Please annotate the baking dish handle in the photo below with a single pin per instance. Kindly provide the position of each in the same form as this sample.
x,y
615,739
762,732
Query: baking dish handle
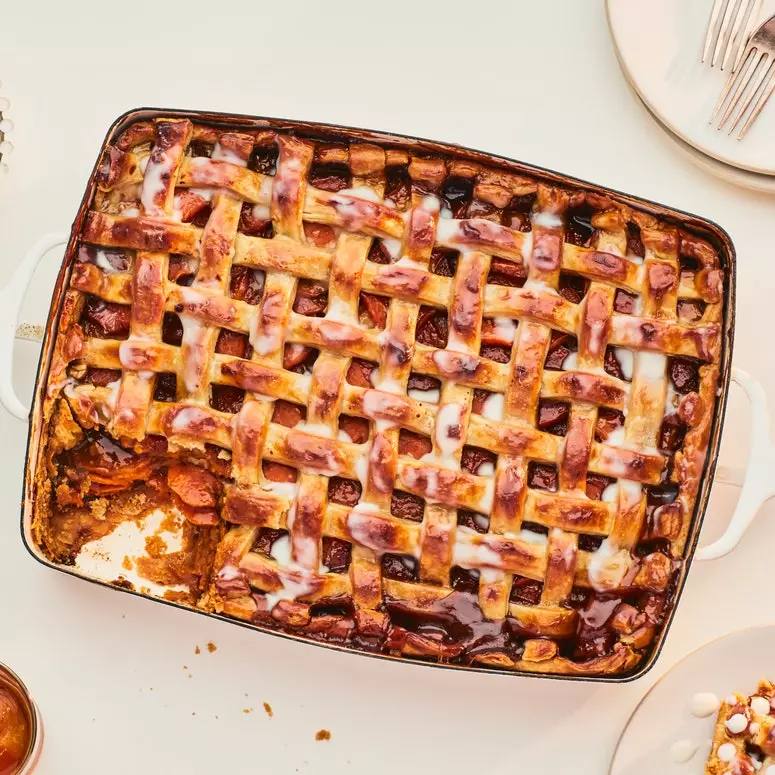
x,y
759,482
11,298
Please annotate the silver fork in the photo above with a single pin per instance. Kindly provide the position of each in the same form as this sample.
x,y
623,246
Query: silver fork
x,y
730,24
752,84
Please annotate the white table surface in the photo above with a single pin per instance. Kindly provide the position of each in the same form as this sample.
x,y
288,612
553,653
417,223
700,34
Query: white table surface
x,y
116,678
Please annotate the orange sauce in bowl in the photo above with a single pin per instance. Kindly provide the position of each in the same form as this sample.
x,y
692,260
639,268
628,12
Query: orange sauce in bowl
x,y
15,729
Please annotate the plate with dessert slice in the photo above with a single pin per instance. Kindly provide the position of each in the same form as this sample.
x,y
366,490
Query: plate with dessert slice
x,y
712,712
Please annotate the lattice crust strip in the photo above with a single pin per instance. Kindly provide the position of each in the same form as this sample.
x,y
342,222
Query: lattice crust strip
x,y
498,414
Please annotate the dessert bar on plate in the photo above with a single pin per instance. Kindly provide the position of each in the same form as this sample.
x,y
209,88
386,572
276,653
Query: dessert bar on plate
x,y
400,397
744,737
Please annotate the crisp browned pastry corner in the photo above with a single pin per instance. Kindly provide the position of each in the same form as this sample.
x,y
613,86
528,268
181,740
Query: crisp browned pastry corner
x,y
407,404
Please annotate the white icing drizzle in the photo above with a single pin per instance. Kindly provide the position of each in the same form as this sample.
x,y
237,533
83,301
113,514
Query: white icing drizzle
x,y
625,358
304,546
194,334
281,551
292,588
630,493
726,752
386,384
482,521
527,248
571,361
430,204
343,435
444,213
267,338
760,706
611,493
485,502
616,437
101,260
315,429
672,399
153,184
486,469
285,489
261,212
335,333
113,388
608,566
185,418
393,247
205,193
127,348
681,751
704,704
449,420
376,406
470,555
340,312
362,192
529,537
447,360
226,154
265,191
362,468
547,220
447,230
359,523
493,406
455,342
539,286
736,723
505,329
130,212
429,396
651,367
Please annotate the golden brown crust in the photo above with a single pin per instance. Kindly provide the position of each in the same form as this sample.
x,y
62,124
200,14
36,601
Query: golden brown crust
x,y
233,292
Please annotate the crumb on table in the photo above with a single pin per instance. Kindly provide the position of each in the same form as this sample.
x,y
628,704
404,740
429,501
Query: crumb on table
x,y
197,650
211,647
322,734
268,709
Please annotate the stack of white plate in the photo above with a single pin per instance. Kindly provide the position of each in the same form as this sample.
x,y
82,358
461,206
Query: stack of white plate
x,y
659,44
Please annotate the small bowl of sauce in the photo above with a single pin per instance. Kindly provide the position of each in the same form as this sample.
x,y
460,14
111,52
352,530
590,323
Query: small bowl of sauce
x,y
21,730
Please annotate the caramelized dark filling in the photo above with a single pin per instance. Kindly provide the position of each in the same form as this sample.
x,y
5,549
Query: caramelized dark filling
x,y
542,476
398,186
330,177
684,374
104,319
561,346
432,327
573,287
553,417
263,159
407,506
516,214
443,262
578,226
634,242
457,193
